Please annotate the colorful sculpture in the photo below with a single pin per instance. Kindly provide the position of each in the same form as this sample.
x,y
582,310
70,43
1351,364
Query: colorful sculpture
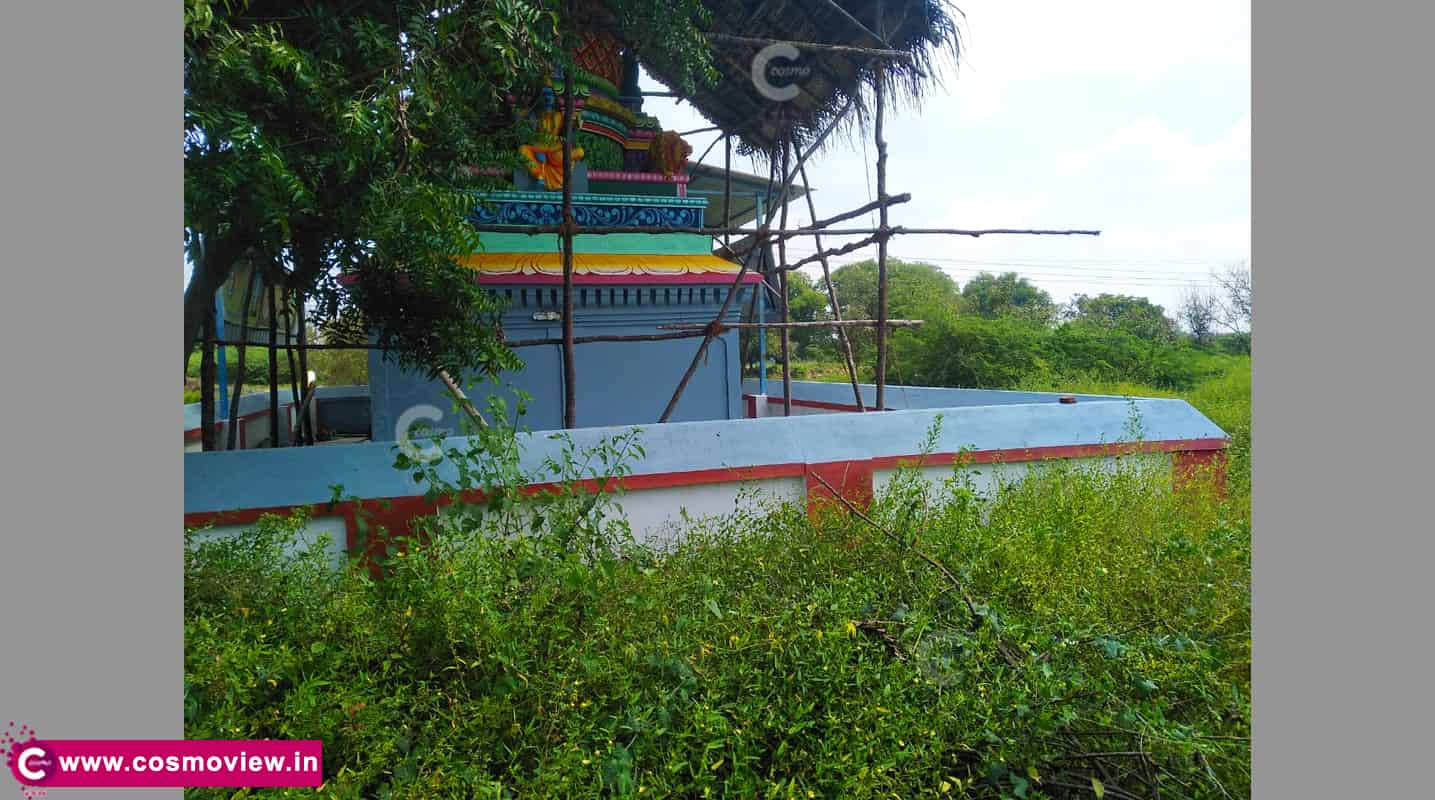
x,y
545,156
668,153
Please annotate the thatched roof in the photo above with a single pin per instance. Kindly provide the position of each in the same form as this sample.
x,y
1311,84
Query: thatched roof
x,y
826,80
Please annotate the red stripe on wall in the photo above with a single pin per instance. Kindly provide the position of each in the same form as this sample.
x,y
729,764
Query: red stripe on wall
x,y
1020,454
852,478
1191,465
191,434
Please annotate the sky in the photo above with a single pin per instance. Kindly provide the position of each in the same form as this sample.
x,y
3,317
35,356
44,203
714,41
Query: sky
x,y
1128,116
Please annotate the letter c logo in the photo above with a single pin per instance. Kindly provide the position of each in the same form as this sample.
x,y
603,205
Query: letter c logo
x,y
780,50
22,763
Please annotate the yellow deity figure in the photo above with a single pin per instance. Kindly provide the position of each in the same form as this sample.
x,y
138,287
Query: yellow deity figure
x,y
545,157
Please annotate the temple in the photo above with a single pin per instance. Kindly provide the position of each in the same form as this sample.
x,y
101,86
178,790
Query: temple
x,y
655,293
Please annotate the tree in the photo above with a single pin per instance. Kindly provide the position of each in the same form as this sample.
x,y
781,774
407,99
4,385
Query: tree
x,y
1137,316
1198,313
1235,305
914,291
1008,295
328,138
804,304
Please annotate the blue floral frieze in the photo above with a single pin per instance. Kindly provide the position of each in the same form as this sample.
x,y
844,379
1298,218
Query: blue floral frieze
x,y
637,214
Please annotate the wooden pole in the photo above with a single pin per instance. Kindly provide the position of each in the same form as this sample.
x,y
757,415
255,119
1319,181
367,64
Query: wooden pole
x,y
897,55
233,426
296,397
206,382
782,290
570,367
273,366
842,339
462,398
878,86
306,426
714,327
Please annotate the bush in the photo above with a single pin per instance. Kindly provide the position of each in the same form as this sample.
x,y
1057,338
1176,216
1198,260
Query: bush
x,y
958,350
765,655
256,365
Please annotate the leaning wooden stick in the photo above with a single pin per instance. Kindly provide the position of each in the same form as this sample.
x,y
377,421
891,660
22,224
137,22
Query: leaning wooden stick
x,y
1002,646
842,339
463,401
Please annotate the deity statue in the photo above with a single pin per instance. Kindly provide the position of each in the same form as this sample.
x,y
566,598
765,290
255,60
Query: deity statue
x,y
545,156
668,153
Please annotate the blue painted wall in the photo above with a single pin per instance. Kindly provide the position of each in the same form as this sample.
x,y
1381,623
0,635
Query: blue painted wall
x,y
222,481
619,383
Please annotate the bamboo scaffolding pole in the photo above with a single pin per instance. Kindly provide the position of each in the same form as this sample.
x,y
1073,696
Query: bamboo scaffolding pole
x,y
879,90
306,426
823,255
842,12
462,398
300,422
207,435
699,330
273,366
842,340
785,331
760,237
713,328
570,367
295,396
232,429
895,55
522,342
313,346
708,334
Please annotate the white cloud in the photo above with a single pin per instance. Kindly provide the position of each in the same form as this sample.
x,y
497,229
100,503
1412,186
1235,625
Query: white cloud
x,y
1131,116
1034,40
1169,159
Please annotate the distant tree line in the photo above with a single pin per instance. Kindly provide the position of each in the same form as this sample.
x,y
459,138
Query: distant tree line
x,y
999,330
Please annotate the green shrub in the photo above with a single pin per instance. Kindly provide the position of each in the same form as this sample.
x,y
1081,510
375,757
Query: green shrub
x,y
256,365
959,350
764,655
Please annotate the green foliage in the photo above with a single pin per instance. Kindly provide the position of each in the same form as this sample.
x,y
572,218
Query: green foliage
x,y
914,291
958,350
1136,316
339,138
805,303
256,366
1008,295
340,367
764,655
1006,352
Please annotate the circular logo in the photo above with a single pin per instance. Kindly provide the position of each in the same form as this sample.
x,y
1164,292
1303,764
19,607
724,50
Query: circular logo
x,y
34,763
764,70
938,655
427,455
